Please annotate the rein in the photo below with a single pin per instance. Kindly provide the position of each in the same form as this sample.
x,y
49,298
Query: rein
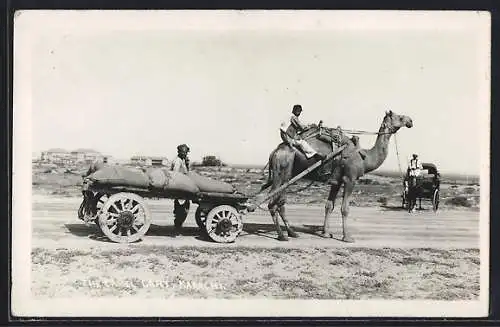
x,y
360,132
399,161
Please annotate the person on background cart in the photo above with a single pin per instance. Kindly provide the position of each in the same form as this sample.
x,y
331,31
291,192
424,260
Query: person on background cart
x,y
415,167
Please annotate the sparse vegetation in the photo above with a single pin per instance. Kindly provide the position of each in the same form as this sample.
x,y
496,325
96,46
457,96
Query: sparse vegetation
x,y
382,200
210,161
460,201
358,273
371,190
469,190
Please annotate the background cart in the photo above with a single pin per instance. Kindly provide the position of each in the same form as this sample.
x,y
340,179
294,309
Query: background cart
x,y
427,187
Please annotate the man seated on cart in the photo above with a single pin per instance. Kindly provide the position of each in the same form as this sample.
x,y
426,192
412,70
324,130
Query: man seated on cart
x,y
415,167
413,173
180,164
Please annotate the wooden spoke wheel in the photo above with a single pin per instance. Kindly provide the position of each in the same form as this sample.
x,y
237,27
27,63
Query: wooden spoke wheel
x,y
201,217
223,224
435,200
81,209
125,218
201,214
101,199
91,206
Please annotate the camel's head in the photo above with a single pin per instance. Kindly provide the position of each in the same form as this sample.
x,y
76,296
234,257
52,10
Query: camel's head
x,y
393,122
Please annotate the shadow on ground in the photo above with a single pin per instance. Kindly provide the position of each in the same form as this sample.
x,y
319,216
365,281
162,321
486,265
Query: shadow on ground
x,y
401,209
269,231
258,229
93,232
392,208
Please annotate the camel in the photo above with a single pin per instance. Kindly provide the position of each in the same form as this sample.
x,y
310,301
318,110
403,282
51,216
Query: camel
x,y
286,161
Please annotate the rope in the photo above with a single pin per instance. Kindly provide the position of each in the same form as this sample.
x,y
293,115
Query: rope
x,y
360,132
397,154
264,169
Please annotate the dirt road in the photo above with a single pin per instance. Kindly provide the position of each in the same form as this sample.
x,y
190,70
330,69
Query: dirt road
x,y
55,224
396,256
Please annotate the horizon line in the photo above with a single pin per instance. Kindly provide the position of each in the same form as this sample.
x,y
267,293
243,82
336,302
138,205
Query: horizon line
x,y
254,166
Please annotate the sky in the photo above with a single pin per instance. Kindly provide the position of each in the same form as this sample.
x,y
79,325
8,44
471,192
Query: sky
x,y
225,90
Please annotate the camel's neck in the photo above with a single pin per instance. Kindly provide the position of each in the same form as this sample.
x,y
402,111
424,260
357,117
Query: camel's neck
x,y
378,153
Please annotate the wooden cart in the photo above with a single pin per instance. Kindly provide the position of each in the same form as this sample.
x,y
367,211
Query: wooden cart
x,y
122,214
427,187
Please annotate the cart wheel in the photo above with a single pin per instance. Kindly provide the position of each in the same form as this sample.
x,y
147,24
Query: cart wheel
x,y
201,217
125,218
81,209
101,199
86,211
223,224
435,200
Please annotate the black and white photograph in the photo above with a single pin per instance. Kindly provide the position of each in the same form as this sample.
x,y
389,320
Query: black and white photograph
x,y
260,163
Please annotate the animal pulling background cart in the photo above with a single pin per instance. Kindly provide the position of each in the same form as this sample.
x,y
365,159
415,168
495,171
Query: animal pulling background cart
x,y
114,199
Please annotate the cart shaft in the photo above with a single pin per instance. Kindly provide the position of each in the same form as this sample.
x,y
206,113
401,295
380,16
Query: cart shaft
x,y
302,174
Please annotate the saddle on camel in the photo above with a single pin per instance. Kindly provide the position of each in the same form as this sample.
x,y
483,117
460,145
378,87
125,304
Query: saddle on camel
x,y
322,140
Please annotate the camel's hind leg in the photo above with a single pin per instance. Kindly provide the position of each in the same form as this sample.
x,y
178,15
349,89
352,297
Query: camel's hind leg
x,y
277,203
285,177
273,207
289,229
282,165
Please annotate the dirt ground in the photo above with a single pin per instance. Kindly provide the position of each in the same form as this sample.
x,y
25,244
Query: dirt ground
x,y
309,273
396,255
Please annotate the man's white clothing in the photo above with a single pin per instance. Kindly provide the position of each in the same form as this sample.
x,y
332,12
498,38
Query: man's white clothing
x,y
304,145
179,165
415,167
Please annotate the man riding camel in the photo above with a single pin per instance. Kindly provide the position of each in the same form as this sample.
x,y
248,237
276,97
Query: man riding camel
x,y
180,164
295,129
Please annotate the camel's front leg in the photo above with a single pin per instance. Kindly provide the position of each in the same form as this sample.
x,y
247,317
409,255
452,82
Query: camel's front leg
x,y
329,206
348,188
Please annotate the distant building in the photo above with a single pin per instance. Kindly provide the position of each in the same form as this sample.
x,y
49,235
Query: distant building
x,y
139,161
86,155
36,157
62,156
159,161
148,161
108,159
118,161
57,156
